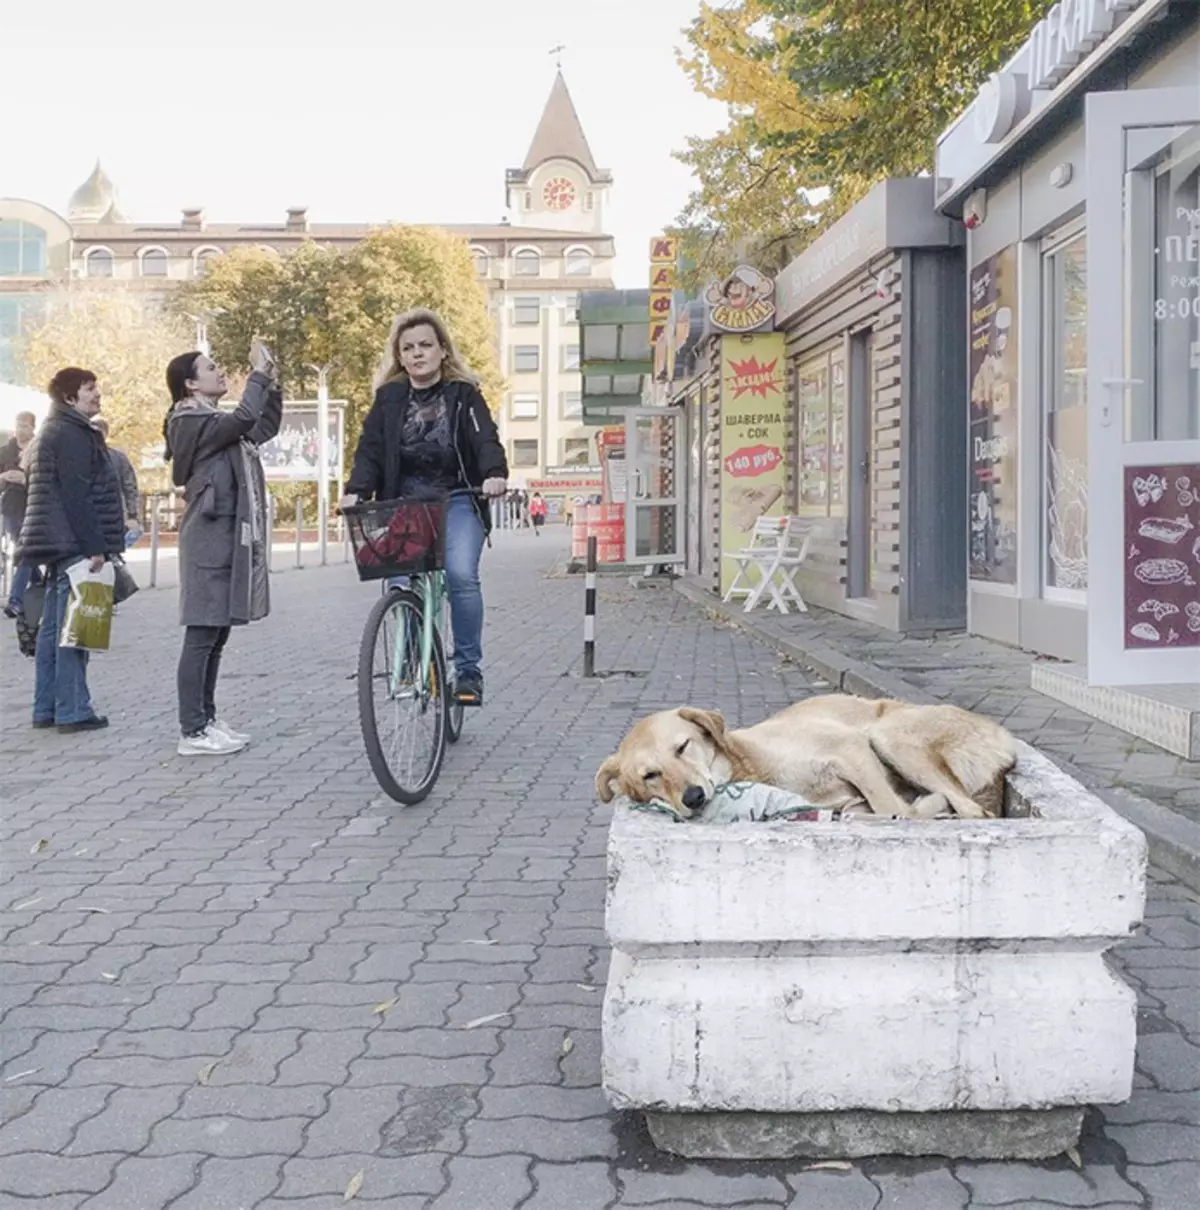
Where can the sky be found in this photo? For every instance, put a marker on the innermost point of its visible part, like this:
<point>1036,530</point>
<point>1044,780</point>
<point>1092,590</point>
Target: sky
<point>361,110</point>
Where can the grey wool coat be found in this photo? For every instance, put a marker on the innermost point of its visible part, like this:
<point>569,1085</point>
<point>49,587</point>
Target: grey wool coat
<point>223,536</point>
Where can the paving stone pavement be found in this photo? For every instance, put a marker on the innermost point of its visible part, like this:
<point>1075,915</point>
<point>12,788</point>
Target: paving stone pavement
<point>241,984</point>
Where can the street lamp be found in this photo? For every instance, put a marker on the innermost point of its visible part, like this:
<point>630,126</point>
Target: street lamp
<point>322,373</point>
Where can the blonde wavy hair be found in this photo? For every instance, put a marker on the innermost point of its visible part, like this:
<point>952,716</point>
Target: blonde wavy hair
<point>454,369</point>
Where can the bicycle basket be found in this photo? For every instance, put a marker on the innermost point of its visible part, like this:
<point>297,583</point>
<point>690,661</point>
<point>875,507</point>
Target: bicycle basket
<point>397,537</point>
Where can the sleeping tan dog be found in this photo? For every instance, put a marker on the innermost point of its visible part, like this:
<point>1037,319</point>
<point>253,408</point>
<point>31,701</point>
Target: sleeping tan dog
<point>835,750</point>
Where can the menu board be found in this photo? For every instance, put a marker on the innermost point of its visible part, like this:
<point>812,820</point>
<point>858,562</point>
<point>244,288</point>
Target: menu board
<point>1162,556</point>
<point>993,456</point>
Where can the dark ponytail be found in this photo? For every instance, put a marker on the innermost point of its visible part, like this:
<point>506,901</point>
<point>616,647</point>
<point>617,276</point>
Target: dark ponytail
<point>179,373</point>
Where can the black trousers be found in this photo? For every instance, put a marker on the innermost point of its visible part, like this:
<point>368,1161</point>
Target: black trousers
<point>199,663</point>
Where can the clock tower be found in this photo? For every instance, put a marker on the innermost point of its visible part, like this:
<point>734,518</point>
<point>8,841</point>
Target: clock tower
<point>559,186</point>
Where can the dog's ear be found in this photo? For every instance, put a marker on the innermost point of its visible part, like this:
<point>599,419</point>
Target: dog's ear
<point>606,775</point>
<point>711,722</point>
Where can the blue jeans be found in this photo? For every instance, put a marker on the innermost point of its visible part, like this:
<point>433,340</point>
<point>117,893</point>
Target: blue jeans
<point>20,575</point>
<point>60,687</point>
<point>464,546</point>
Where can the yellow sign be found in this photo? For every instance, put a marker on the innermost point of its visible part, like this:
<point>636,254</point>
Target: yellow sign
<point>658,328</point>
<point>744,301</point>
<point>664,249</point>
<point>660,304</point>
<point>662,277</point>
<point>753,474</point>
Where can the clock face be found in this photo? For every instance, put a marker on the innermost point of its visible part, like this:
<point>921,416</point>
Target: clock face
<point>558,194</point>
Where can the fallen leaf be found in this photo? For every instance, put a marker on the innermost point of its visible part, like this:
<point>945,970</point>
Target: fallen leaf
<point>1072,1153</point>
<point>485,1020</point>
<point>98,911</point>
<point>568,1044</point>
<point>356,1183</point>
<point>381,1009</point>
<point>30,1071</point>
<point>478,941</point>
<point>27,903</point>
<point>829,1166</point>
<point>38,845</point>
<point>79,852</point>
<point>107,975</point>
<point>206,1073</point>
<point>586,987</point>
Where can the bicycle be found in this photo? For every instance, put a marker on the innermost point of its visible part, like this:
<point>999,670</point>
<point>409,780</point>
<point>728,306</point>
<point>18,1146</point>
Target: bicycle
<point>405,658</point>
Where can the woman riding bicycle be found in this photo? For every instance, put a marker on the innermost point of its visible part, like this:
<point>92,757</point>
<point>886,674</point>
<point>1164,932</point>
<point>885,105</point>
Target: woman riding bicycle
<point>429,434</point>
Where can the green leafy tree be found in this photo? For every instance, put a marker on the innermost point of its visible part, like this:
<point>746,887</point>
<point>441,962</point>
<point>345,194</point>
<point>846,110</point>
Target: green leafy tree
<point>321,307</point>
<point>126,341</point>
<point>826,98</point>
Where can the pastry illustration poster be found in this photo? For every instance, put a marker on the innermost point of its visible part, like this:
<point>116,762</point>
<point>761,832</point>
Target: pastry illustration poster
<point>753,419</point>
<point>1162,556</point>
<point>993,419</point>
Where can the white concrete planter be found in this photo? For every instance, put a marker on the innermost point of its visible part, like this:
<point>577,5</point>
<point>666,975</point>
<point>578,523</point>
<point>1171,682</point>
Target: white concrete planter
<point>881,984</point>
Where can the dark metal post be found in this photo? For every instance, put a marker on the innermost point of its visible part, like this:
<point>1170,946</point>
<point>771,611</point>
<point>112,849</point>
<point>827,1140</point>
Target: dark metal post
<point>589,611</point>
<point>299,529</point>
<point>155,531</point>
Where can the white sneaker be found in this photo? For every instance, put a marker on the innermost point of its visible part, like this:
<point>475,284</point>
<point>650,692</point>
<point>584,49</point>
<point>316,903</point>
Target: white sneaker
<point>210,742</point>
<point>225,729</point>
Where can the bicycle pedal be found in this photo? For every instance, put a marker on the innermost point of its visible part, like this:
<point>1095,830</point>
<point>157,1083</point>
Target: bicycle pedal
<point>468,699</point>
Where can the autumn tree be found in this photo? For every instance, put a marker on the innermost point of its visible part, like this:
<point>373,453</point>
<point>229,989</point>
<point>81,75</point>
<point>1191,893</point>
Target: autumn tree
<point>126,341</point>
<point>322,307</point>
<point>825,98</point>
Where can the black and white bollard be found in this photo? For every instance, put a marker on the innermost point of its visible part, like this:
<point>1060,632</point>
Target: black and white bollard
<point>589,611</point>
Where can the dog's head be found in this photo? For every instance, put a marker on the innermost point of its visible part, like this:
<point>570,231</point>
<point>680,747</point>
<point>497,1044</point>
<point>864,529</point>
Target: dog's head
<point>676,756</point>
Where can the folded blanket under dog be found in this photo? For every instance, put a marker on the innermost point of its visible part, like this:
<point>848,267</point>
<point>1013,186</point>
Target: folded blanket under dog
<point>748,802</point>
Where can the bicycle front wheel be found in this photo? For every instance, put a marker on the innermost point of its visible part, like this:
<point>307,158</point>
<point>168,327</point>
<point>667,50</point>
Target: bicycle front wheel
<point>402,702</point>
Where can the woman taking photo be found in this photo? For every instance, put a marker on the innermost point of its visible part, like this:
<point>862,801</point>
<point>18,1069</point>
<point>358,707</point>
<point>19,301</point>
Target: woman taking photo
<point>223,536</point>
<point>429,434</point>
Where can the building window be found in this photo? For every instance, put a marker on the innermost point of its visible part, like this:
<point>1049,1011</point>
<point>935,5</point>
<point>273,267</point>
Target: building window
<point>22,249</point>
<point>635,342</point>
<point>570,305</point>
<point>524,407</point>
<point>570,357</point>
<point>525,452</point>
<point>601,341</point>
<point>627,384</point>
<point>589,201</point>
<point>572,405</point>
<point>527,309</point>
<point>576,451</point>
<point>527,263</point>
<point>526,359</point>
<point>98,262</point>
<point>1064,418</point>
<point>579,262</point>
<point>821,392</point>
<point>153,263</point>
<point>201,260</point>
<point>482,261</point>
<point>18,313</point>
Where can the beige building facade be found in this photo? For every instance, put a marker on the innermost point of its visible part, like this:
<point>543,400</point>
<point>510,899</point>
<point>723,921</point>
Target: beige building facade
<point>534,264</point>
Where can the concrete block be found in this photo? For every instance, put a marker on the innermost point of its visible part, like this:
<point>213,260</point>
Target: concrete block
<point>896,968</point>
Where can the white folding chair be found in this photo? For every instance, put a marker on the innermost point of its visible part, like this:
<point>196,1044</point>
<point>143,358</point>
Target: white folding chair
<point>764,541</point>
<point>780,579</point>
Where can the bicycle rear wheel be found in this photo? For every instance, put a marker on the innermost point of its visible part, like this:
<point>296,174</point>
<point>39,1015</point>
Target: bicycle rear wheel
<point>402,707</point>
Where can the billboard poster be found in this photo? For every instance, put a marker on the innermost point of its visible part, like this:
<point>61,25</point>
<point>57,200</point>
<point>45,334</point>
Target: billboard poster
<point>1162,556</point>
<point>993,419</point>
<point>292,456</point>
<point>753,438</point>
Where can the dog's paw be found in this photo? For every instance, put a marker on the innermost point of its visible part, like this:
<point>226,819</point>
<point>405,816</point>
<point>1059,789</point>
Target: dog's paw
<point>930,806</point>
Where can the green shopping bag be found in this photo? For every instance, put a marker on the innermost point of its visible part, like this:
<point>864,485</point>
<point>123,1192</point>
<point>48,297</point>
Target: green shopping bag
<point>88,621</point>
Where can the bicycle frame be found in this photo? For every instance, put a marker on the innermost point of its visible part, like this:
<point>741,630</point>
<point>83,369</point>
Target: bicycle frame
<point>432,589</point>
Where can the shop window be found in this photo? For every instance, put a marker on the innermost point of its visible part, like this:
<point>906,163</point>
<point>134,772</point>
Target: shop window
<point>527,309</point>
<point>525,452</point>
<point>1064,419</point>
<point>526,359</point>
<point>821,406</point>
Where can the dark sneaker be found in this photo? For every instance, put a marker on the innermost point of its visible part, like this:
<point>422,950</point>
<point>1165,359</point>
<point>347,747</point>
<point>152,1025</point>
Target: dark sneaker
<point>96,723</point>
<point>40,724</point>
<point>468,691</point>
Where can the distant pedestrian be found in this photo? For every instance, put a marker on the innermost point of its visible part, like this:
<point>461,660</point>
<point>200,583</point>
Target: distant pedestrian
<point>223,536</point>
<point>13,466</point>
<point>73,513</point>
<point>537,513</point>
<point>127,478</point>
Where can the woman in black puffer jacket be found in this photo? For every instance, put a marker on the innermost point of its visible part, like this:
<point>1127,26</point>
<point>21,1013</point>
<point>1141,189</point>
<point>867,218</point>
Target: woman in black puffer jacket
<point>73,511</point>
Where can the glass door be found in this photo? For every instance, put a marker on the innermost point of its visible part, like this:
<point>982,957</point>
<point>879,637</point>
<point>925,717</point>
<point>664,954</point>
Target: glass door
<point>654,449</point>
<point>1143,380</point>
